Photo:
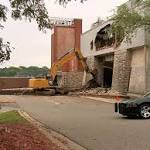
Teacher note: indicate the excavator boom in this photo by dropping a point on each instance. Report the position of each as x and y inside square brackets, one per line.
[65, 58]
[59, 63]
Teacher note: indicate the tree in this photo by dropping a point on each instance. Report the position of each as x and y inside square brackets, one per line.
[128, 19]
[23, 71]
[28, 10]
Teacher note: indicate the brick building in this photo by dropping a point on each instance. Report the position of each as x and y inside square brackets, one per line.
[63, 39]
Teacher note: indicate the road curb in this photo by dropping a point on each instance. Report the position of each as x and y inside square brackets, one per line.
[106, 100]
[58, 139]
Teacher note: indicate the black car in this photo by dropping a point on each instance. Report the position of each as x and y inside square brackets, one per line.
[137, 107]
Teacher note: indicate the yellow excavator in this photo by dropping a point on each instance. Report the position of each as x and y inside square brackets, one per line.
[48, 82]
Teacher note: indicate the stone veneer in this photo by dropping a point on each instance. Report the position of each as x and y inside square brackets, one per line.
[121, 71]
[72, 80]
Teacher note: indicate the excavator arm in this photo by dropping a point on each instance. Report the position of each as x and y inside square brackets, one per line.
[65, 58]
[42, 83]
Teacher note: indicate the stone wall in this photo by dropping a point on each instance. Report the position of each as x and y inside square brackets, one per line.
[11, 82]
[121, 71]
[70, 80]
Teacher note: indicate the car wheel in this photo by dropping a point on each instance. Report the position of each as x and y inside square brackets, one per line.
[145, 111]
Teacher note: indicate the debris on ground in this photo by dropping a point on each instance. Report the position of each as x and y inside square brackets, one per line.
[91, 84]
[99, 91]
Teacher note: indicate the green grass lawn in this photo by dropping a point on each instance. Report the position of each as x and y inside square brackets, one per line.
[11, 117]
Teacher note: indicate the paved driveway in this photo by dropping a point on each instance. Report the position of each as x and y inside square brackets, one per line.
[92, 124]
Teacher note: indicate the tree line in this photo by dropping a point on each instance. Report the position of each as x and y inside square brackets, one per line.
[22, 71]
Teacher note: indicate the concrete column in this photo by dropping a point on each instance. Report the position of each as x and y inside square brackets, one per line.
[121, 71]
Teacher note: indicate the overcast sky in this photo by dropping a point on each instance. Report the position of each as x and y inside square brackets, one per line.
[33, 47]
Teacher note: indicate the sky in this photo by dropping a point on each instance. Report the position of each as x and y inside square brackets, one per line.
[33, 47]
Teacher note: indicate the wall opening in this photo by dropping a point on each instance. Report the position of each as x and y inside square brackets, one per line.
[104, 66]
[104, 38]
[108, 72]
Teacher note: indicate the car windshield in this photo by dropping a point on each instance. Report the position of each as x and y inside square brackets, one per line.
[147, 95]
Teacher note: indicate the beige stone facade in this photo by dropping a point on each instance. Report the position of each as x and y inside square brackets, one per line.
[72, 80]
[128, 70]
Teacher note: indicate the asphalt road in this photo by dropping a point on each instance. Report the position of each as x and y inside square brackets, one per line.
[92, 124]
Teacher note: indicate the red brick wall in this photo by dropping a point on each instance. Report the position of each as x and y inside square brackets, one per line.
[7, 83]
[63, 39]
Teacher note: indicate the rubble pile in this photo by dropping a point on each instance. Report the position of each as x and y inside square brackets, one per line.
[99, 91]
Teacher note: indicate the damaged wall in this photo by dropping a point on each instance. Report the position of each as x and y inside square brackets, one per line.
[131, 62]
[89, 37]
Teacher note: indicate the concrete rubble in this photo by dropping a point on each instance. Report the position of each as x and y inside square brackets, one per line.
[102, 92]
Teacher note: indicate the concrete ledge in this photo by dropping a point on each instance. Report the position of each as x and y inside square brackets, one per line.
[101, 99]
